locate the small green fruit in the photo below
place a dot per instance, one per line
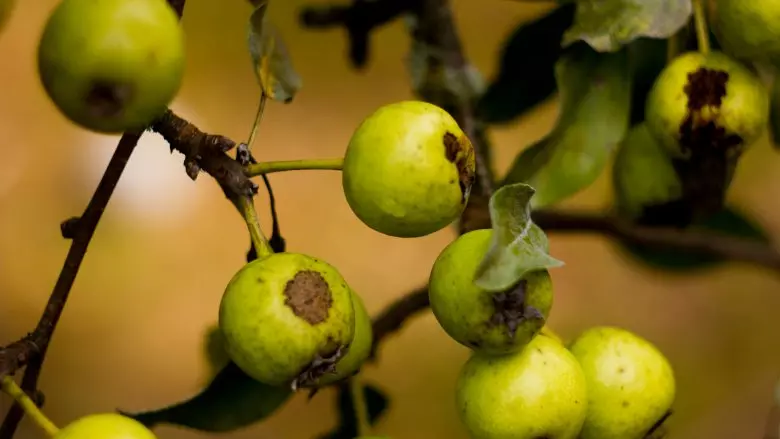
(748, 29)
(495, 323)
(112, 65)
(105, 426)
(287, 319)
(536, 393)
(706, 105)
(358, 351)
(408, 169)
(644, 178)
(631, 385)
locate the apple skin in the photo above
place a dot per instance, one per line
(284, 313)
(111, 66)
(631, 385)
(408, 169)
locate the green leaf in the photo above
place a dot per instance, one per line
(231, 401)
(526, 71)
(595, 95)
(270, 57)
(729, 221)
(607, 25)
(376, 404)
(518, 246)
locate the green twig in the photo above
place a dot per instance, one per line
(258, 119)
(247, 208)
(360, 405)
(14, 391)
(256, 169)
(702, 33)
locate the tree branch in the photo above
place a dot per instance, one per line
(683, 241)
(205, 152)
(30, 351)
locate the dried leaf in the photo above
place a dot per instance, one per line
(271, 59)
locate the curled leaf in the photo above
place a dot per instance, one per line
(272, 64)
(607, 25)
(595, 95)
(518, 246)
(231, 401)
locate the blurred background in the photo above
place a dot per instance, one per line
(131, 336)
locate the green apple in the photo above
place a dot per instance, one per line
(358, 351)
(538, 392)
(492, 322)
(408, 169)
(706, 104)
(287, 319)
(105, 426)
(112, 65)
(631, 385)
(644, 177)
(748, 29)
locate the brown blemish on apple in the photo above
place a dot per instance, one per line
(107, 99)
(308, 295)
(460, 151)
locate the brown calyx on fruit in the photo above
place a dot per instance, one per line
(706, 87)
(309, 296)
(712, 151)
(107, 99)
(510, 309)
(460, 151)
(320, 366)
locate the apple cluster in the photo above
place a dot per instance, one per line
(522, 381)
(704, 110)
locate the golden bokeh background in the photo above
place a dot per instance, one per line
(131, 334)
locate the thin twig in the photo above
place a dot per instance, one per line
(31, 350)
(685, 241)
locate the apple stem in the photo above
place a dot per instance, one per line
(333, 164)
(361, 408)
(673, 46)
(702, 33)
(258, 119)
(247, 207)
(30, 408)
